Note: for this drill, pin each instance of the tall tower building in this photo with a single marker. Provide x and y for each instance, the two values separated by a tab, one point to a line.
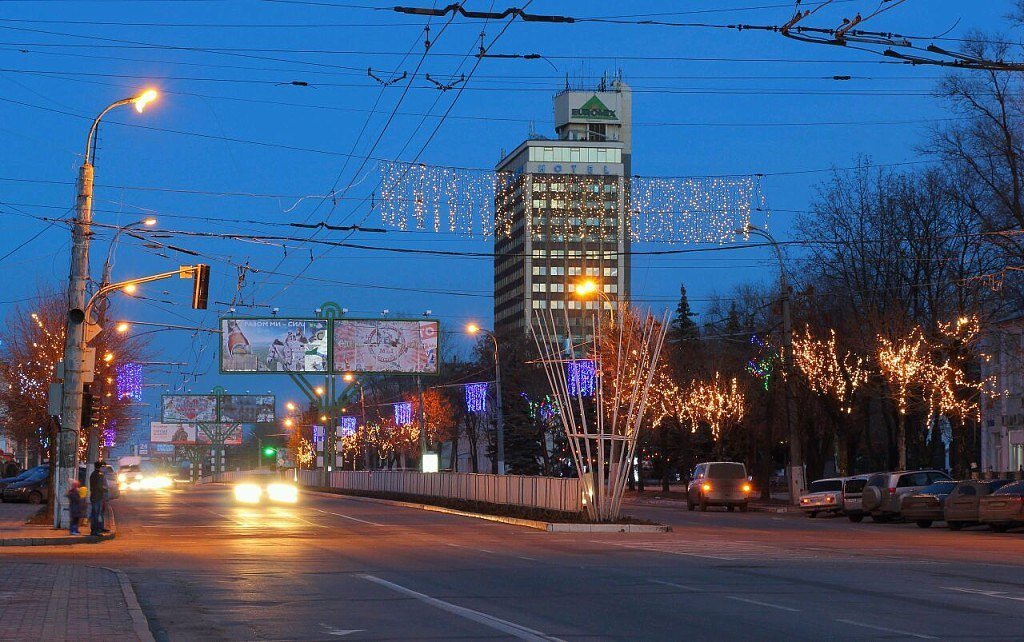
562	214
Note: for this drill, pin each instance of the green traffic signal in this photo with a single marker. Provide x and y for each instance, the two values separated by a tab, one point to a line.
268	451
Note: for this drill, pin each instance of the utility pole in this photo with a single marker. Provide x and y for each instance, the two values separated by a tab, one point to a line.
795	472
66	464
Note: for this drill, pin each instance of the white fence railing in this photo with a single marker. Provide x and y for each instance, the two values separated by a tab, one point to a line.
551	493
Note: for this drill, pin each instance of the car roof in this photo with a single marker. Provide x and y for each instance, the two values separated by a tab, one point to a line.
829	479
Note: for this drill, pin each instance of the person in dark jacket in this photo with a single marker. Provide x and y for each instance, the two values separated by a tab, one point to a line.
97	493
74	506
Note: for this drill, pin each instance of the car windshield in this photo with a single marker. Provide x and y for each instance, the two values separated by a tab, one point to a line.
939	488
132	468
825	485
1012	489
727	471
855	485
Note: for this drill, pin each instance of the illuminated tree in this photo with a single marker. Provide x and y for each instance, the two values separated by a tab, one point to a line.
31	344
718	403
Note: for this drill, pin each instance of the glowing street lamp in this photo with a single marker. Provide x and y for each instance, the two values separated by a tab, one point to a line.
475	329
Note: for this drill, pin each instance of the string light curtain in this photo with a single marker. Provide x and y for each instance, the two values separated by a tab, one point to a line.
476	397
675	210
348	425
129	381
581	377
403	413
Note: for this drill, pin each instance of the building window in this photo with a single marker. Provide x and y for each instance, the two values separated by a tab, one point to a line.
557	271
558	305
611	287
539	305
540	287
593	271
611	271
574	271
539	270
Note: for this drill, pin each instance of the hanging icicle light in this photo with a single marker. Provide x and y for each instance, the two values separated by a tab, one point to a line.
476	397
348	425
581	377
403	413
129	381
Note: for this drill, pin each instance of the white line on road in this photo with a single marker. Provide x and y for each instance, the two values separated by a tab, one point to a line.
532	559
510	628
887	630
674	585
771	606
999	594
354	519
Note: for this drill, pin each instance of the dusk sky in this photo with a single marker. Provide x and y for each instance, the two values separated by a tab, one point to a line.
267	107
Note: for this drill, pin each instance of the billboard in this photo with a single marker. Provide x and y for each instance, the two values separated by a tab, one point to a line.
273	345
190	434
247	409
188	409
385	345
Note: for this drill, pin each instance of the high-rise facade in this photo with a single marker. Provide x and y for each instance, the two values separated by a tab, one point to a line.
562	215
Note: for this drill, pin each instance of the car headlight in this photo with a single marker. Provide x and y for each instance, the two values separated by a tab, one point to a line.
286	493
746	488
248	493
706	487
122	477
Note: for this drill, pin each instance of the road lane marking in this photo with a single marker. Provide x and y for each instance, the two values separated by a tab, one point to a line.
771	606
339	632
999	594
532	559
517	631
887	630
354	519
674	585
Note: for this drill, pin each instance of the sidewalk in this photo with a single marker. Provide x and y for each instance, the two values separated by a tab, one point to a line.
61	602
14	531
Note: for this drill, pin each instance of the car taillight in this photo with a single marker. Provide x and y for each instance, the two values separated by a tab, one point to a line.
706	487
892	491
746	488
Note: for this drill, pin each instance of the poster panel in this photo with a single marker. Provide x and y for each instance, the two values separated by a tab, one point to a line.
190	434
230	433
188	408
386	345
273	345
166	433
247	409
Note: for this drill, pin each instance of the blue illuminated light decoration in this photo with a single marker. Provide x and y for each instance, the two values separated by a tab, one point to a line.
763	365
110	434
129	381
348	426
581	377
545	409
318	436
476	397
403	413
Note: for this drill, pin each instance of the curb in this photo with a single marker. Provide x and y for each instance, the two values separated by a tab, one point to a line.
139	622
66	540
754	508
550	527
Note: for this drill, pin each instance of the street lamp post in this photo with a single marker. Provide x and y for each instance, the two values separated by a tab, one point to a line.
500	437
796	468
351	378
66	463
92	437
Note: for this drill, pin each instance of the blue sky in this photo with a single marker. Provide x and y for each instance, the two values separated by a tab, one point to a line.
234	144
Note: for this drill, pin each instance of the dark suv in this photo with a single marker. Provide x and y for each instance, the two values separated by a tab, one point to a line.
884	492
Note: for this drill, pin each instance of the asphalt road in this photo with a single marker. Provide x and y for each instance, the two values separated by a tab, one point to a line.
330	567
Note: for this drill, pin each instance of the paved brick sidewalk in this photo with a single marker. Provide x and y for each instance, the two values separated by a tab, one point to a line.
63	602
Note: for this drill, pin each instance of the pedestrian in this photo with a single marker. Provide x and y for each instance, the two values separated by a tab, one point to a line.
108	480
97	492
74	506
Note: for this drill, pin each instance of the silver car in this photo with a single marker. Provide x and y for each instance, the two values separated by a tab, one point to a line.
823	496
853	497
719	483
884	492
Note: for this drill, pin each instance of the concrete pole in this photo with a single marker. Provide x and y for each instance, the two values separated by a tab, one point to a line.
500	437
422	422
66	465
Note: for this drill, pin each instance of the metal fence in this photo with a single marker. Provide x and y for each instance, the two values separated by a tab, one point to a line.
551	493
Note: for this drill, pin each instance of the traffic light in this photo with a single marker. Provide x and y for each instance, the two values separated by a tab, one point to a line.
269	451
86	408
200	286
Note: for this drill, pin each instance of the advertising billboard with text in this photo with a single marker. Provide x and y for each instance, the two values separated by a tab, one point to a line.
190	409
385	345
247	409
273	345
191	434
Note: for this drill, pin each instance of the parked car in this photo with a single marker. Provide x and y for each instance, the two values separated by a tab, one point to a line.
884	492
718	483
823	496
853	496
1004	508
22	476
34	489
962	504
926	506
